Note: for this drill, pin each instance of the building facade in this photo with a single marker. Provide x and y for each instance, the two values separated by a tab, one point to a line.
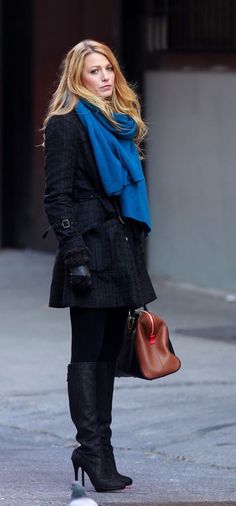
190	95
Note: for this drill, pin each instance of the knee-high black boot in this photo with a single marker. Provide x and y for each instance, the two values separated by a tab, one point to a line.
105	386
89	456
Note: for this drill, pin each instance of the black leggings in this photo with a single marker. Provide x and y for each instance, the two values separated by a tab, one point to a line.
97	334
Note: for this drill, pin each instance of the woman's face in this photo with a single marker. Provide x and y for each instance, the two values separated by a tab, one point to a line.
98	75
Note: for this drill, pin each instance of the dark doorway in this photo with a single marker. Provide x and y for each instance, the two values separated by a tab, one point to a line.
16	121
132	43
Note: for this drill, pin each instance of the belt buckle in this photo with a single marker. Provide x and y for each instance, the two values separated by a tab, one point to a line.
65	223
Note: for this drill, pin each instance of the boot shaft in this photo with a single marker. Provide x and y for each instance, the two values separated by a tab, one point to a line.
81	380
104	391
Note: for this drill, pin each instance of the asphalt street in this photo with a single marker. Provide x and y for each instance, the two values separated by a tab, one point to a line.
175	436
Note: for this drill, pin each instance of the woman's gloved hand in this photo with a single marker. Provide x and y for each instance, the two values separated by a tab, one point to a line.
79	272
80	278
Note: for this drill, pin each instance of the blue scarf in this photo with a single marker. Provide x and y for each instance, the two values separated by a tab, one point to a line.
117	160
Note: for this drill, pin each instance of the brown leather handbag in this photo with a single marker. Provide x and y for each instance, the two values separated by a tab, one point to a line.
147	351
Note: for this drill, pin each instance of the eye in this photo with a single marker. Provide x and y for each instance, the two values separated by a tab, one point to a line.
110	68
94	71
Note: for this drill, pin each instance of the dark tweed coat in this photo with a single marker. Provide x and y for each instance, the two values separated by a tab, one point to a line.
82	216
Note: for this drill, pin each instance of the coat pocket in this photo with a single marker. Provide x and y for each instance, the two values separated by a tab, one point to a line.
98	241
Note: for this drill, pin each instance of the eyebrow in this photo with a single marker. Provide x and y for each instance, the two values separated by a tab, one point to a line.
99	66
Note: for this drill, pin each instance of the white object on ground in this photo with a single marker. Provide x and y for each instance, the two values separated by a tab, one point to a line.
79	497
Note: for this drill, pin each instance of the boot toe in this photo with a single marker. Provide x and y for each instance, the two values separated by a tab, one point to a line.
125	479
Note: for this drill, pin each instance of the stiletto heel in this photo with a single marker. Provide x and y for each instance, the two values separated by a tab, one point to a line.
82	476
76	469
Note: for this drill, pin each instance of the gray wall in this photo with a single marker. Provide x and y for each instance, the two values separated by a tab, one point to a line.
191	166
0	126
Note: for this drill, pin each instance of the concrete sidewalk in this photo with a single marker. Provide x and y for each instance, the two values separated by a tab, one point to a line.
175	436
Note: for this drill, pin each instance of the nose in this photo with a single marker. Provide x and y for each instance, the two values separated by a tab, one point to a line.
105	75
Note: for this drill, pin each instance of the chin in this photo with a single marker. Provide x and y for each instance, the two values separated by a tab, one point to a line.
106	94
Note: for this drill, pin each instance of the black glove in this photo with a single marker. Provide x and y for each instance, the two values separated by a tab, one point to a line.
80	276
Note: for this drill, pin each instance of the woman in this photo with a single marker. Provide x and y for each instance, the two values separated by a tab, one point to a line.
96	202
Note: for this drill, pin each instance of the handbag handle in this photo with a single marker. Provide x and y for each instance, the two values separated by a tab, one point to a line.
152	336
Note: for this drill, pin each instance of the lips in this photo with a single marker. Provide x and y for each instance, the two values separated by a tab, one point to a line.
107	86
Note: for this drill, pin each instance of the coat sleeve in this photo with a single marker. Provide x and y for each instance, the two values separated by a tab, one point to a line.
61	152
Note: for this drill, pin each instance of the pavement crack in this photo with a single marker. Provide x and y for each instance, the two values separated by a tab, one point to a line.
212	428
32	431
177	384
37	393
181	458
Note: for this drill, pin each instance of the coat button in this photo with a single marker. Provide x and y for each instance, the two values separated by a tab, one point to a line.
126	238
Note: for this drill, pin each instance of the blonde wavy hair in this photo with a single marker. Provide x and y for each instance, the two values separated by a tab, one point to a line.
70	88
